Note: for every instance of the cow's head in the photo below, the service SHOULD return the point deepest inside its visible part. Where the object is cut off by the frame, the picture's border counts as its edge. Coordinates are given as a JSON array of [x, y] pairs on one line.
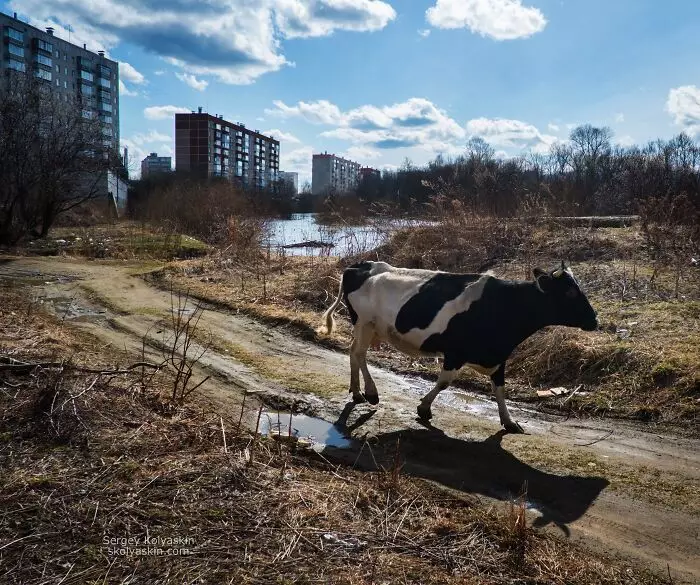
[[570, 305]]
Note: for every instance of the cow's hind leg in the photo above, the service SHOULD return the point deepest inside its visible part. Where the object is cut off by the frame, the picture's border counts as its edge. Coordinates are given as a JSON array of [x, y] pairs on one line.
[[362, 337], [498, 383], [444, 380]]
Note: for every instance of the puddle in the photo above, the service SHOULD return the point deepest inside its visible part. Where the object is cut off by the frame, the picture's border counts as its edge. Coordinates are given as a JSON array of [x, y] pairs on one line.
[[315, 430], [71, 309]]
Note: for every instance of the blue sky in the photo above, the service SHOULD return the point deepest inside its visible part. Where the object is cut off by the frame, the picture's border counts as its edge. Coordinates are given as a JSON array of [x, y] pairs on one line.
[[384, 80]]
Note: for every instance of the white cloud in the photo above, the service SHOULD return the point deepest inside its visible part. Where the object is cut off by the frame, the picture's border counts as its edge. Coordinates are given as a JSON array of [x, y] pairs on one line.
[[417, 122], [625, 141], [499, 19], [553, 127], [683, 104], [159, 72], [235, 41], [619, 118], [500, 132], [320, 112], [282, 136], [424, 32], [150, 137], [361, 154], [297, 160], [125, 91], [192, 81], [317, 18], [129, 73], [163, 112]]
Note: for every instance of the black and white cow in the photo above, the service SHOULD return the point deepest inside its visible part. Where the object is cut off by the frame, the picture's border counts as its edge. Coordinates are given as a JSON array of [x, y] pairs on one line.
[[470, 319]]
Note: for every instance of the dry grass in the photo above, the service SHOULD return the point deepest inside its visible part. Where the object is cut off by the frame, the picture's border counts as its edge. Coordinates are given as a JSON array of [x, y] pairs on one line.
[[253, 511], [645, 363]]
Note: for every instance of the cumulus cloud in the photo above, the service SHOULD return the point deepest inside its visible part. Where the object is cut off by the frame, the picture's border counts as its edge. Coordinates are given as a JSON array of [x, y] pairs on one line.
[[163, 112], [316, 18], [498, 19], [361, 153], [192, 81], [683, 104], [415, 122], [504, 133], [424, 32], [619, 118], [128, 72], [235, 41], [553, 127], [282, 136], [319, 112], [625, 141], [125, 91]]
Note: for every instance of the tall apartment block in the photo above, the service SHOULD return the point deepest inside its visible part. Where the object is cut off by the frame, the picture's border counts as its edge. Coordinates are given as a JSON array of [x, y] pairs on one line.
[[209, 146], [86, 79], [154, 164], [333, 174]]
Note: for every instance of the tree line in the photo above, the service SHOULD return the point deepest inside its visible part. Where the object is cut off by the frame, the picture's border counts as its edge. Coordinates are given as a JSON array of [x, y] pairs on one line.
[[588, 175]]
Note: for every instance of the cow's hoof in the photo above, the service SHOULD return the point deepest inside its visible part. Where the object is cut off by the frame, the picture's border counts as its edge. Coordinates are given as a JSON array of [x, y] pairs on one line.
[[373, 399], [513, 427], [358, 398], [424, 413]]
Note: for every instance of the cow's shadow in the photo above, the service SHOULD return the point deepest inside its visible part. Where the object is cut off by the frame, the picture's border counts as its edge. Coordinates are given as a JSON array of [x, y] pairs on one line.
[[477, 467]]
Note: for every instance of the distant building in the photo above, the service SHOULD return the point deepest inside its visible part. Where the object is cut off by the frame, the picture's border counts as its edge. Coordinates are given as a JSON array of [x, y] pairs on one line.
[[291, 178], [333, 174], [209, 146], [366, 172], [78, 76], [154, 164]]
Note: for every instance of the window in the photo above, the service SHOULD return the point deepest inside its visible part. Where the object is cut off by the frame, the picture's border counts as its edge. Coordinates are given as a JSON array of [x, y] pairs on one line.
[[58, 54], [104, 82], [86, 89], [42, 74], [105, 71], [105, 106], [86, 75], [14, 34], [16, 65], [58, 83], [44, 60], [105, 119], [65, 84], [58, 68], [87, 114], [44, 46], [15, 50]]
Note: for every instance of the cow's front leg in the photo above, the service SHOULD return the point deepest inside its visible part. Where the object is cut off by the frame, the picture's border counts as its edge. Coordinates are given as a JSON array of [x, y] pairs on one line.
[[444, 380], [498, 383]]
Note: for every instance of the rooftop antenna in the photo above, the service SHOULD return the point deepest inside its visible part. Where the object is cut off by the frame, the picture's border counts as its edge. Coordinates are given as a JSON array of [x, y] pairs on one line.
[[69, 27]]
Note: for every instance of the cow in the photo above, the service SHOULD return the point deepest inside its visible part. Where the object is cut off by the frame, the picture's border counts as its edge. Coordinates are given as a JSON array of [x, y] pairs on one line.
[[473, 320]]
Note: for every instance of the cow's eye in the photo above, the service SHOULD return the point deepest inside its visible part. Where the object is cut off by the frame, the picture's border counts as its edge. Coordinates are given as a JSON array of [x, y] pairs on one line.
[[572, 293]]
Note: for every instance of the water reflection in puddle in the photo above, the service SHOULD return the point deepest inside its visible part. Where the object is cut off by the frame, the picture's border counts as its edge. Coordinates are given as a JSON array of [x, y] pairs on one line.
[[315, 430]]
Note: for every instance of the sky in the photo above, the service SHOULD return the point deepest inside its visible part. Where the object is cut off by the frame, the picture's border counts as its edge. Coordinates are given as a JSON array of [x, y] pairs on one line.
[[382, 81]]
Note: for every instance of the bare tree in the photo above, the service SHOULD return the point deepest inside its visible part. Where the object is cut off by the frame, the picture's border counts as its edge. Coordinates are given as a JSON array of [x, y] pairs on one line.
[[53, 157]]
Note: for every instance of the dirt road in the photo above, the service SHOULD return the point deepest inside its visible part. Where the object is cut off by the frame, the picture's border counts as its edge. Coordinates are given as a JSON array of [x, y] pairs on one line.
[[621, 487]]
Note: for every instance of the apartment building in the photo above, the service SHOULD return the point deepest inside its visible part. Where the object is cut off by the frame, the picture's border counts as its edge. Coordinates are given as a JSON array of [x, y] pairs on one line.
[[80, 77], [333, 174], [209, 146], [291, 179], [154, 164]]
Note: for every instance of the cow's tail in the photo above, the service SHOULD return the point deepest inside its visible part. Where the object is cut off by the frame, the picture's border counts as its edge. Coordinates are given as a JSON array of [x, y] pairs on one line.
[[328, 319]]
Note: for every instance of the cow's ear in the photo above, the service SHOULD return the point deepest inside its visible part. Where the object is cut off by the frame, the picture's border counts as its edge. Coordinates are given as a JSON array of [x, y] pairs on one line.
[[541, 278]]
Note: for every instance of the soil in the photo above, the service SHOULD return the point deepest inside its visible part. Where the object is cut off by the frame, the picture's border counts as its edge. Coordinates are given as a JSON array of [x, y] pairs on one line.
[[620, 486]]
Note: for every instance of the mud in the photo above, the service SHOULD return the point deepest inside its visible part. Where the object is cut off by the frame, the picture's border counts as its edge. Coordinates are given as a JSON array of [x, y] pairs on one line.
[[613, 485]]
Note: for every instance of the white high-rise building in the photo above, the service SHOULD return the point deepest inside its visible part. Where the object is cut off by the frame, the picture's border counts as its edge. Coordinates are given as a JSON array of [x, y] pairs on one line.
[[291, 178], [333, 174]]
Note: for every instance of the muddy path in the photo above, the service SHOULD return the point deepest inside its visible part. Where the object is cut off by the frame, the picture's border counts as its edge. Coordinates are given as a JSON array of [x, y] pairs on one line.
[[626, 488]]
